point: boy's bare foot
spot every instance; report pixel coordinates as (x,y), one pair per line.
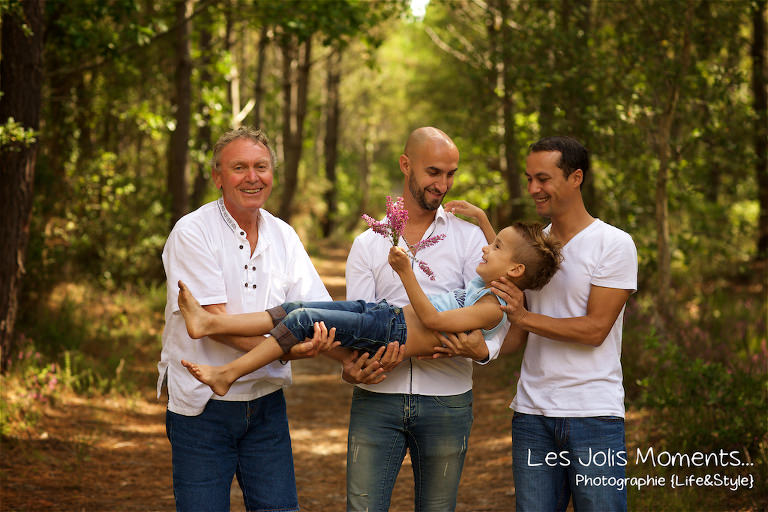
(194,315)
(213,376)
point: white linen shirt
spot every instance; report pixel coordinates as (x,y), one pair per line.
(453,260)
(210,253)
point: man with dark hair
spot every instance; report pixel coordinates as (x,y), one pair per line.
(236,257)
(568,426)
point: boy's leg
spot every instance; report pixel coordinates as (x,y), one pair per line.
(202,323)
(220,378)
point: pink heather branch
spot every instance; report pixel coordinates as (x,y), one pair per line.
(393,227)
(427,242)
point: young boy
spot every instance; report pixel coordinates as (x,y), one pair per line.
(521,250)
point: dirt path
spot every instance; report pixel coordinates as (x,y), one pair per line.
(112,454)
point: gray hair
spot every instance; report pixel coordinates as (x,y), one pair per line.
(244,132)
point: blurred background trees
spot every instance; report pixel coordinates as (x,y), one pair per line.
(109,110)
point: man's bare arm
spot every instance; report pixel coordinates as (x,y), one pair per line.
(603,308)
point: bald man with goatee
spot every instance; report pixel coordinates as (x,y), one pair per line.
(423,406)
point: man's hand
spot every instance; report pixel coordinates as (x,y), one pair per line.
(470,345)
(321,341)
(398,259)
(367,369)
(515,307)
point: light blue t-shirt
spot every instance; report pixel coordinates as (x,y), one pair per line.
(463,297)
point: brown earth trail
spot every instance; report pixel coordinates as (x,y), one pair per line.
(111,454)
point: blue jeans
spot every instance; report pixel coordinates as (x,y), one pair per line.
(587,458)
(247,439)
(360,325)
(435,429)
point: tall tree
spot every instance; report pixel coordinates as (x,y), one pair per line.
(331,140)
(21,73)
(760,102)
(177,149)
(204,130)
(297,60)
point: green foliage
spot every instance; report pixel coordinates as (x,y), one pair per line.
(14,137)
(706,377)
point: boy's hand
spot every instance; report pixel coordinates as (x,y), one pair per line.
(470,345)
(398,259)
(463,208)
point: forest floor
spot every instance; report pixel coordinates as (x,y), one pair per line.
(110,453)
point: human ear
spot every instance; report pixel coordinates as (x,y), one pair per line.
(216,177)
(516,270)
(578,176)
(405,164)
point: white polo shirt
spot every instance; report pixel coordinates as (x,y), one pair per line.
(210,253)
(453,260)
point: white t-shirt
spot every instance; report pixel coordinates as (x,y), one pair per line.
(453,260)
(210,253)
(569,379)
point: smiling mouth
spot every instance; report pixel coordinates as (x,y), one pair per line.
(251,190)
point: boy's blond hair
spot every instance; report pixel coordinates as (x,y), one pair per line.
(541,256)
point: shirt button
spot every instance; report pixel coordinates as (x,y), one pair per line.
(246,285)
(254,286)
(252,268)
(242,232)
(241,246)
(246,267)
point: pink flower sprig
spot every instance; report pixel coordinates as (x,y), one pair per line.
(393,227)
(397,218)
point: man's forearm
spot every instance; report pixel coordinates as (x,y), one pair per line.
(242,343)
(514,340)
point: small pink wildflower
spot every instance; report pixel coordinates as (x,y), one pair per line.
(393,227)
(427,242)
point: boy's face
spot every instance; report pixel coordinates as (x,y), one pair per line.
(499,256)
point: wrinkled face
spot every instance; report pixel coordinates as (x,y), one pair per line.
(430,173)
(551,191)
(244,176)
(499,256)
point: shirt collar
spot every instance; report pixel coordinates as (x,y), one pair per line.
(239,232)
(441,215)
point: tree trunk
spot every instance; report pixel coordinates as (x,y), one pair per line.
(21,73)
(177,149)
(258,86)
(296,59)
(331,141)
(366,156)
(664,135)
(509,146)
(761,123)
(204,132)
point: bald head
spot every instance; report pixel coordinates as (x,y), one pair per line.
(427,136)
(429,162)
